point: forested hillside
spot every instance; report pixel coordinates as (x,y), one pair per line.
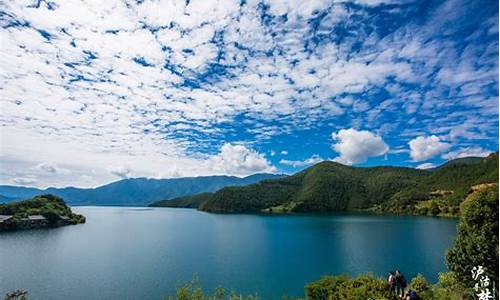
(330,186)
(442,191)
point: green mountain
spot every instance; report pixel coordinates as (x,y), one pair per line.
(330,186)
(183,202)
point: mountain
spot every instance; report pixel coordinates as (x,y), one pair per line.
(183,202)
(135,191)
(330,186)
(4,199)
(327,186)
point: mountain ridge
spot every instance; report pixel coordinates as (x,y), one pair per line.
(134,191)
(331,186)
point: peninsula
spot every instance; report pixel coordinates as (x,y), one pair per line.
(38,212)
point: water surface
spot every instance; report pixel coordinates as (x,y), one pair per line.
(142,253)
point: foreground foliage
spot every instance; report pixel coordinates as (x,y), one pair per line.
(342,287)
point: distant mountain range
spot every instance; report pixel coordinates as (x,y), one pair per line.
(134,191)
(331,186)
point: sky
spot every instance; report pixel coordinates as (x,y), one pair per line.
(96,91)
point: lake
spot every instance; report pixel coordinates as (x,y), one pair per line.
(143,253)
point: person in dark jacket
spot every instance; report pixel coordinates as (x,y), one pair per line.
(400,283)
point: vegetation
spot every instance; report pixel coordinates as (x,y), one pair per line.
(330,186)
(193,291)
(53,208)
(184,202)
(17,295)
(339,287)
(327,186)
(442,190)
(342,287)
(477,240)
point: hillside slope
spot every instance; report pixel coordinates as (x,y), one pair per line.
(330,186)
(327,186)
(135,191)
(442,191)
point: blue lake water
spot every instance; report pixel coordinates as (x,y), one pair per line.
(141,253)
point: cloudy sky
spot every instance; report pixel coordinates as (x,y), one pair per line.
(93,91)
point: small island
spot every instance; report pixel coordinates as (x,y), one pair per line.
(43,211)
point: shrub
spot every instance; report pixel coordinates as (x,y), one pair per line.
(342,287)
(434,208)
(448,288)
(17,295)
(477,241)
(193,291)
(420,285)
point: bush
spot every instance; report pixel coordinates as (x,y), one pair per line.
(17,295)
(193,291)
(420,285)
(448,288)
(342,287)
(434,209)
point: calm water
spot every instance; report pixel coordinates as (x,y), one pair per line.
(135,253)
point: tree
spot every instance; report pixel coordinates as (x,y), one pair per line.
(477,240)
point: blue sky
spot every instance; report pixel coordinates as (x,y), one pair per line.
(96,91)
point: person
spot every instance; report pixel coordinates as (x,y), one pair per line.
(400,284)
(392,282)
(410,295)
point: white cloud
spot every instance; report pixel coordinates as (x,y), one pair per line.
(466,152)
(356,146)
(425,147)
(90,166)
(301,163)
(284,152)
(122,172)
(83,86)
(47,167)
(239,160)
(51,168)
(24,181)
(426,166)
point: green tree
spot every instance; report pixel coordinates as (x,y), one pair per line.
(477,240)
